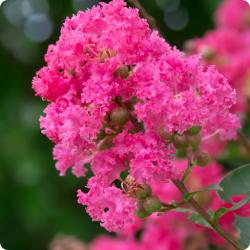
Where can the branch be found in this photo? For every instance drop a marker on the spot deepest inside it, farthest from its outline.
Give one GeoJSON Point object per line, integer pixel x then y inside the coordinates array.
{"type": "Point", "coordinates": [151, 20]}
{"type": "Point", "coordinates": [180, 185]}
{"type": "Point", "coordinates": [189, 167]}
{"type": "Point", "coordinates": [169, 207]}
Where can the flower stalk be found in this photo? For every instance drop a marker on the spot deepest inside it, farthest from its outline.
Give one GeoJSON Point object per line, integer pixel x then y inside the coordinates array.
{"type": "Point", "coordinates": [151, 20]}
{"type": "Point", "coordinates": [199, 209]}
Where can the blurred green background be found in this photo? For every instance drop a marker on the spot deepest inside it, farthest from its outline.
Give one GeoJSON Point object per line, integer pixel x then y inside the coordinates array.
{"type": "Point", "coordinates": [35, 202]}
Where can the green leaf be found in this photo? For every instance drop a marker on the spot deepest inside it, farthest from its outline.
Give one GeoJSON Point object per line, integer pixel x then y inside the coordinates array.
{"type": "Point", "coordinates": [235, 183]}
{"type": "Point", "coordinates": [196, 218]}
{"type": "Point", "coordinates": [244, 226]}
{"type": "Point", "coordinates": [212, 187]}
{"type": "Point", "coordinates": [218, 213]}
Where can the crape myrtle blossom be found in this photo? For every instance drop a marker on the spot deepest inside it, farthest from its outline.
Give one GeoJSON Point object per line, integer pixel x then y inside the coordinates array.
{"type": "Point", "coordinates": [121, 99]}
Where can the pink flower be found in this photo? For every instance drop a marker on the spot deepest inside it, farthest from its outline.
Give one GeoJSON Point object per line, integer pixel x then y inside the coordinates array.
{"type": "Point", "coordinates": [233, 14]}
{"type": "Point", "coordinates": [150, 159]}
{"type": "Point", "coordinates": [105, 242]}
{"type": "Point", "coordinates": [229, 50]}
{"type": "Point", "coordinates": [108, 204]}
{"type": "Point", "coordinates": [176, 93]}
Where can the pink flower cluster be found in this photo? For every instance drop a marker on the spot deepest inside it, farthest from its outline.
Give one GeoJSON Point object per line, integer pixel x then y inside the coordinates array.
{"type": "Point", "coordinates": [116, 91]}
{"type": "Point", "coordinates": [228, 47]}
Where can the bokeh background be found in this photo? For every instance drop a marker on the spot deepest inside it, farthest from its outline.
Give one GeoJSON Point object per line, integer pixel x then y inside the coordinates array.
{"type": "Point", "coordinates": [35, 202]}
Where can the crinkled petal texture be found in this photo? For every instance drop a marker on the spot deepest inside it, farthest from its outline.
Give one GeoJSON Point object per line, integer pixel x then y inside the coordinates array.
{"type": "Point", "coordinates": [107, 59]}
{"type": "Point", "coordinates": [109, 205]}
{"type": "Point", "coordinates": [229, 50]}
{"type": "Point", "coordinates": [176, 93]}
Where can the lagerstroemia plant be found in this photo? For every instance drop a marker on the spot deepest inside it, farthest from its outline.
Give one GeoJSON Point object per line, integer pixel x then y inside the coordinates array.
{"type": "Point", "coordinates": [123, 102]}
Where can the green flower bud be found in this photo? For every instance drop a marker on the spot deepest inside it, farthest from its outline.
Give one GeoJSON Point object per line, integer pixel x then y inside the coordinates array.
{"type": "Point", "coordinates": [180, 141]}
{"type": "Point", "coordinates": [194, 130]}
{"type": "Point", "coordinates": [143, 192]}
{"type": "Point", "coordinates": [194, 141]}
{"type": "Point", "coordinates": [202, 159]}
{"type": "Point", "coordinates": [123, 72]}
{"type": "Point", "coordinates": [139, 204]}
{"type": "Point", "coordinates": [119, 116]}
{"type": "Point", "coordinates": [142, 214]}
{"type": "Point", "coordinates": [152, 204]}
{"type": "Point", "coordinates": [131, 103]}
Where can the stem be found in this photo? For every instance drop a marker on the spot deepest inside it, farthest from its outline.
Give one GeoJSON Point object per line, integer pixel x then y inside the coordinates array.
{"type": "Point", "coordinates": [189, 168]}
{"type": "Point", "coordinates": [151, 20]}
{"type": "Point", "coordinates": [182, 188]}
{"type": "Point", "coordinates": [169, 207]}
{"type": "Point", "coordinates": [244, 142]}
{"type": "Point", "coordinates": [138, 126]}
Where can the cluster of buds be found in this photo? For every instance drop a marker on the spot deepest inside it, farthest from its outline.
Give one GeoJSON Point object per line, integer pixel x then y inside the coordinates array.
{"type": "Point", "coordinates": [146, 202]}
{"type": "Point", "coordinates": [189, 143]}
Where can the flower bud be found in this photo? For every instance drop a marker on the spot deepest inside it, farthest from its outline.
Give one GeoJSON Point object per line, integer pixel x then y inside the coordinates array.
{"type": "Point", "coordinates": [202, 159]}
{"type": "Point", "coordinates": [123, 72]}
{"type": "Point", "coordinates": [152, 204]}
{"type": "Point", "coordinates": [101, 135]}
{"type": "Point", "coordinates": [180, 141]}
{"type": "Point", "coordinates": [194, 141]}
{"type": "Point", "coordinates": [143, 192]}
{"type": "Point", "coordinates": [119, 116]}
{"type": "Point", "coordinates": [131, 103]}
{"type": "Point", "coordinates": [118, 100]}
{"type": "Point", "coordinates": [194, 130]}
{"type": "Point", "coordinates": [142, 213]}
{"type": "Point", "coordinates": [106, 143]}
